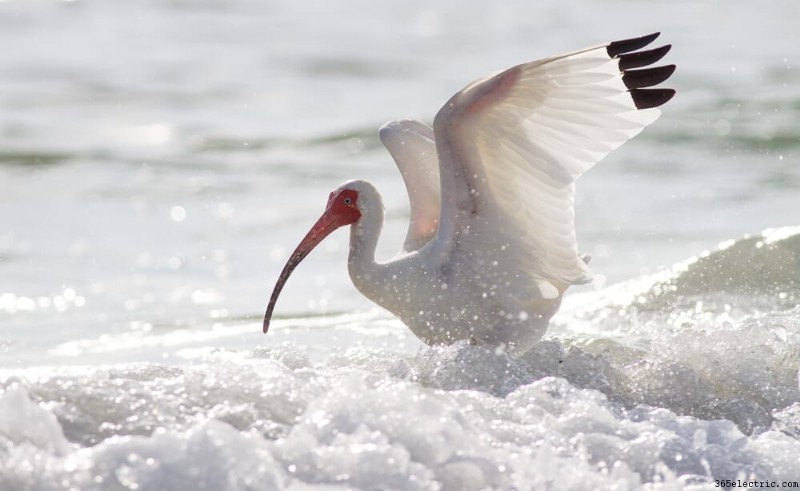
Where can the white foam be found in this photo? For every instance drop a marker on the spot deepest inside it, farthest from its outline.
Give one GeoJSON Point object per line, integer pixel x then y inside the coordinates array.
{"type": "Point", "coordinates": [458, 417]}
{"type": "Point", "coordinates": [25, 423]}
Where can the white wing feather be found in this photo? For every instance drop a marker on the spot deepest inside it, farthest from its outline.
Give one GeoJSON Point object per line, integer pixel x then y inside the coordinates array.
{"type": "Point", "coordinates": [414, 150]}
{"type": "Point", "coordinates": [510, 147]}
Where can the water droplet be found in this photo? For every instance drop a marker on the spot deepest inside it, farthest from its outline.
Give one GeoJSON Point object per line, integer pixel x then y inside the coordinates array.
{"type": "Point", "coordinates": [177, 213]}
{"type": "Point", "coordinates": [174, 262]}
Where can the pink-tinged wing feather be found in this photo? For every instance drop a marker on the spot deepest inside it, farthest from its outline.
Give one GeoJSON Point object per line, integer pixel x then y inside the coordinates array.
{"type": "Point", "coordinates": [414, 150]}
{"type": "Point", "coordinates": [512, 145]}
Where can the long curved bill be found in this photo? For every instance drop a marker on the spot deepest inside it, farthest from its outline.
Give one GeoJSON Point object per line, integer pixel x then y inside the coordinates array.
{"type": "Point", "coordinates": [326, 224]}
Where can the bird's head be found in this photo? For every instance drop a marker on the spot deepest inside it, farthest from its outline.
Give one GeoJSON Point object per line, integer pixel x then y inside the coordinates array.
{"type": "Point", "coordinates": [342, 209]}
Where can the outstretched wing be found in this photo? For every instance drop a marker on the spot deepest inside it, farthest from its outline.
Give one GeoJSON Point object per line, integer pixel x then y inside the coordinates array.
{"type": "Point", "coordinates": [511, 145]}
{"type": "Point", "coordinates": [414, 150]}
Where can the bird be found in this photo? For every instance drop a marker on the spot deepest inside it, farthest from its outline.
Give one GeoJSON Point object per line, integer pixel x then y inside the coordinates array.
{"type": "Point", "coordinates": [491, 245]}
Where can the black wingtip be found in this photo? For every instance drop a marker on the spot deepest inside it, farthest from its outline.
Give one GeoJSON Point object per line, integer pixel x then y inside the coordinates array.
{"type": "Point", "coordinates": [625, 52]}
{"type": "Point", "coordinates": [627, 45]}
{"type": "Point", "coordinates": [647, 98]}
{"type": "Point", "coordinates": [642, 58]}
{"type": "Point", "coordinates": [647, 77]}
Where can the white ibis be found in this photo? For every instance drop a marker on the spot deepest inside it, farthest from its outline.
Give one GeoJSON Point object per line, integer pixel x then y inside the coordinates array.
{"type": "Point", "coordinates": [491, 245]}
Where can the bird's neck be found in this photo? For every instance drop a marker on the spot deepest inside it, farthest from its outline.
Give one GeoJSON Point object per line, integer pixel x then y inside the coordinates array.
{"type": "Point", "coordinates": [364, 270]}
{"type": "Point", "coordinates": [364, 239]}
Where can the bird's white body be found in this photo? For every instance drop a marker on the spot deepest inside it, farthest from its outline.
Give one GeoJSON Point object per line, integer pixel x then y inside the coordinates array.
{"type": "Point", "coordinates": [440, 298]}
{"type": "Point", "coordinates": [491, 243]}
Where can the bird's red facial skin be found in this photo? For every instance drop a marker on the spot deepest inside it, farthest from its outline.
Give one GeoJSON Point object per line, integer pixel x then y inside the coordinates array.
{"type": "Point", "coordinates": [343, 205]}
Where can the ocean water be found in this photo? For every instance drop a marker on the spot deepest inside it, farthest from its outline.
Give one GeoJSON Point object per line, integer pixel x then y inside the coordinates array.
{"type": "Point", "coordinates": [159, 160]}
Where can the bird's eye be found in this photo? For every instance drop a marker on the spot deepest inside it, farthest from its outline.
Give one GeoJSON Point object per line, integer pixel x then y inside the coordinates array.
{"type": "Point", "coordinates": [347, 201]}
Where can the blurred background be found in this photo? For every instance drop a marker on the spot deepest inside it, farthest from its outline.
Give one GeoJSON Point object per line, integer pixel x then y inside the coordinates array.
{"type": "Point", "coordinates": [159, 160]}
